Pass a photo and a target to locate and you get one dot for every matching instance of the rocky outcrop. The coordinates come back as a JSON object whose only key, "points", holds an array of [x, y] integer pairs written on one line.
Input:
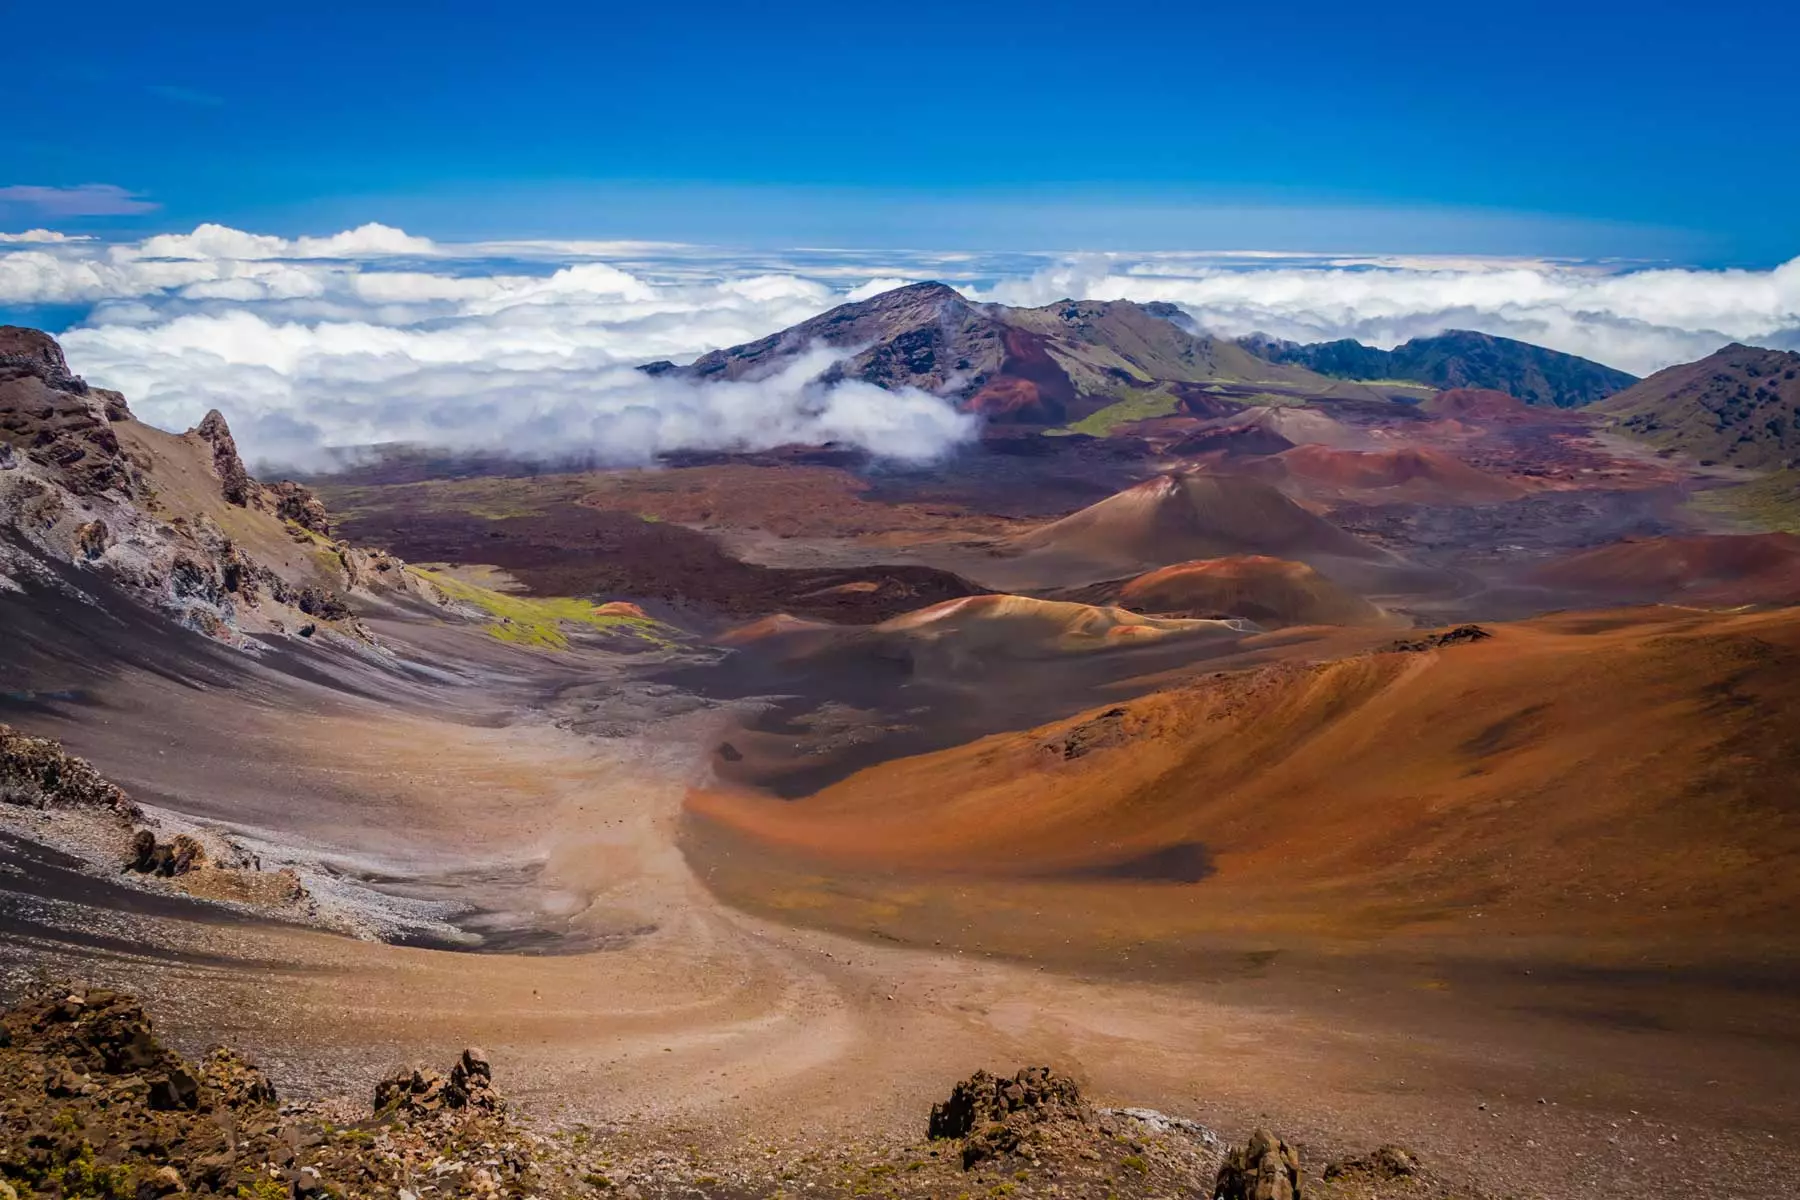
{"points": [[295, 502], [1461, 635], [994, 1116], [38, 772], [75, 490], [234, 480], [177, 857], [1266, 1168], [55, 419], [421, 1091], [100, 1033]]}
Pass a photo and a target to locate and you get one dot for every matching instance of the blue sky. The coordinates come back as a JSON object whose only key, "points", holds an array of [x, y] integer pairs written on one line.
{"points": [[1650, 130]]}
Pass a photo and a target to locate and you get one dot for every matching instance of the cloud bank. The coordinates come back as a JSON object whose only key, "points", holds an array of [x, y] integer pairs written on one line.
{"points": [[375, 335]]}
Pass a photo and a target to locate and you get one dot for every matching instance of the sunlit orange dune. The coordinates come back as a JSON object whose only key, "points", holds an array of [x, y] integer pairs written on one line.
{"points": [[1724, 569], [1179, 517], [1410, 473], [1273, 592], [1625, 774], [1019, 626], [960, 633]]}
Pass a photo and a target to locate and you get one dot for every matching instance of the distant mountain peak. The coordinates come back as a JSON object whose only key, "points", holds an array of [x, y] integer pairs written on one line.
{"points": [[1458, 358]]}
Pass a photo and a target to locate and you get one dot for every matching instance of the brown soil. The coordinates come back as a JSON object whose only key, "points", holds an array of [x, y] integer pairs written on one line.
{"points": [[1718, 569], [1421, 475], [1273, 592]]}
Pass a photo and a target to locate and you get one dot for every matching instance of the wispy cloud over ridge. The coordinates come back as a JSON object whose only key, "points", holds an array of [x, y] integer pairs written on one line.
{"points": [[374, 334]]}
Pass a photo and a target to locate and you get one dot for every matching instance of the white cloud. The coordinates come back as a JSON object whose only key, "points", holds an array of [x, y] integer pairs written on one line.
{"points": [[222, 242], [1637, 320], [375, 335], [42, 236]]}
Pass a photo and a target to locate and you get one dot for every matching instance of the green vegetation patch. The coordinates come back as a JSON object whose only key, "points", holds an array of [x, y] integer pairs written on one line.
{"points": [[1139, 404], [543, 621], [1771, 503]]}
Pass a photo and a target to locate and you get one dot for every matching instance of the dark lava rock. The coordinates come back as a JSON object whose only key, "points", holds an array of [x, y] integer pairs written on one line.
{"points": [[178, 857], [1436, 641], [420, 1091], [234, 481], [39, 772], [1266, 1168], [55, 419], [995, 1115], [297, 503]]}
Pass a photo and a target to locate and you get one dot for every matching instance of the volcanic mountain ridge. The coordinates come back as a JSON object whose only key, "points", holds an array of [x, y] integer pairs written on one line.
{"points": [[1025, 366]]}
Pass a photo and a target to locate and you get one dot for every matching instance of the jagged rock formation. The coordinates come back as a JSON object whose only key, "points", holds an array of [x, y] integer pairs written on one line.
{"points": [[420, 1091], [178, 522], [994, 1116], [1266, 1168], [38, 772]]}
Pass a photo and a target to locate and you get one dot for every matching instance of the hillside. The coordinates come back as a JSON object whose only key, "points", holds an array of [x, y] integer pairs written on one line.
{"points": [[1459, 358], [1740, 406], [1530, 777], [1052, 366], [1180, 517]]}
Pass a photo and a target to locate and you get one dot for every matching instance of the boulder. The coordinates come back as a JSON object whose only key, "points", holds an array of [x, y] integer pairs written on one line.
{"points": [[1266, 1168], [994, 1115], [91, 539], [178, 857], [421, 1091]]}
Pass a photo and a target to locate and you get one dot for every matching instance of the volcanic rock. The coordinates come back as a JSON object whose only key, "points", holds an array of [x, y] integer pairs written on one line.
{"points": [[295, 502], [421, 1091], [236, 1079], [234, 481], [39, 772], [178, 857], [994, 1115], [55, 419], [1460, 635], [1266, 1168]]}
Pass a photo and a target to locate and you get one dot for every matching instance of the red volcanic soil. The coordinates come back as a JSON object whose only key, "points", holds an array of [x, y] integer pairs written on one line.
{"points": [[1626, 774], [1179, 517], [1410, 474], [1031, 387], [1482, 404], [1270, 591], [1751, 568]]}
